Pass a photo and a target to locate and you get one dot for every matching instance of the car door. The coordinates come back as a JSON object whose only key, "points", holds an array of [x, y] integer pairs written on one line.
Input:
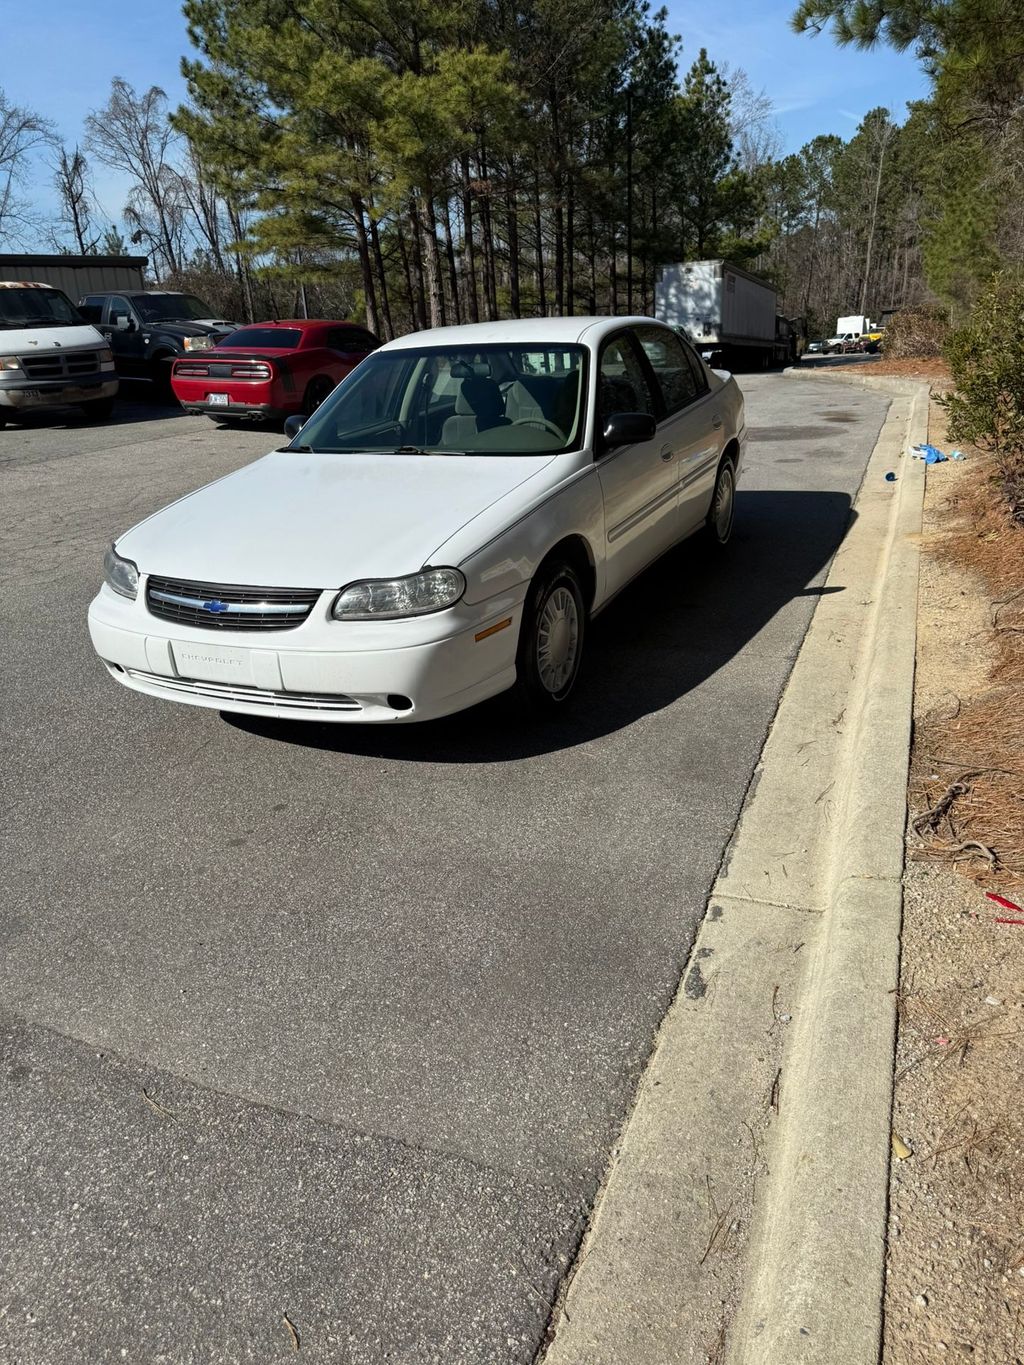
{"points": [[638, 482], [125, 337], [692, 424]]}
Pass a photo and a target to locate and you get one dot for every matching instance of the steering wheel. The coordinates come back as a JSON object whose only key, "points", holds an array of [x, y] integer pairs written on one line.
{"points": [[540, 422]]}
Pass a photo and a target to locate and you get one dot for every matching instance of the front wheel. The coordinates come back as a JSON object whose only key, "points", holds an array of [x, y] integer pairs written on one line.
{"points": [[718, 526], [550, 640]]}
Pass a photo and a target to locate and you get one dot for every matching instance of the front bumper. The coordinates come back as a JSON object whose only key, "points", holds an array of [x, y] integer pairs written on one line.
{"points": [[23, 395], [323, 670]]}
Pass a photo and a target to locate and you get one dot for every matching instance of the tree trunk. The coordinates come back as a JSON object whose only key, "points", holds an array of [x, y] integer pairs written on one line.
{"points": [[490, 278], [417, 260], [378, 260], [449, 247], [469, 243], [542, 302], [570, 245], [409, 292], [435, 288], [512, 223], [369, 292]]}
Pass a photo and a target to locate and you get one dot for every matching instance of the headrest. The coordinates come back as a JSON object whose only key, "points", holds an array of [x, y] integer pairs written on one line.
{"points": [[480, 398]]}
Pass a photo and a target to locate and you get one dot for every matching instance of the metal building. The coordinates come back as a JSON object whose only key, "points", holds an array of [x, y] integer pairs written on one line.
{"points": [[77, 275]]}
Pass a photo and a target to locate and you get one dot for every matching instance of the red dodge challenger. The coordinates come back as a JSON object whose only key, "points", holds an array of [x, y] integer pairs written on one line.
{"points": [[271, 369]]}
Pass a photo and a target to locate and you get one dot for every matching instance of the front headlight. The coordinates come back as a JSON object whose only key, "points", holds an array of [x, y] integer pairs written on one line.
{"points": [[196, 343], [9, 362], [121, 574], [387, 598], [106, 355]]}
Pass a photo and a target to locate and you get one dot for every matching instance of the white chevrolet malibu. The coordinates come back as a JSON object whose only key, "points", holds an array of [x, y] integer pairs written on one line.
{"points": [[443, 527]]}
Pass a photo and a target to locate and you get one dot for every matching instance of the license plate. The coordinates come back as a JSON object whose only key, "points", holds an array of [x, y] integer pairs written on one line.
{"points": [[212, 663], [219, 400]]}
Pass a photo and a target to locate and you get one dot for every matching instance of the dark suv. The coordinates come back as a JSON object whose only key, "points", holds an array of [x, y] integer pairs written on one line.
{"points": [[149, 329]]}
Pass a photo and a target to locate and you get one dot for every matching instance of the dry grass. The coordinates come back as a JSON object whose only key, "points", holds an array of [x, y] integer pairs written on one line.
{"points": [[978, 742]]}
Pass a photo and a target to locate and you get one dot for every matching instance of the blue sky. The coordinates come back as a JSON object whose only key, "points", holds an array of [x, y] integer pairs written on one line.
{"points": [[59, 58]]}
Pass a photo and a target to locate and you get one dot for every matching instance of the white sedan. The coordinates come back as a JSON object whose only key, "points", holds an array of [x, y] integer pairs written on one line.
{"points": [[443, 527]]}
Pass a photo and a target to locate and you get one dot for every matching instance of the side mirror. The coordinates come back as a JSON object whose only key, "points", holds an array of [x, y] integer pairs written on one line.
{"points": [[628, 428], [294, 424], [123, 323]]}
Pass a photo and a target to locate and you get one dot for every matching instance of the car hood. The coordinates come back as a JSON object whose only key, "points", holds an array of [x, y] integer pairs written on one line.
{"points": [[189, 327], [296, 520], [39, 340]]}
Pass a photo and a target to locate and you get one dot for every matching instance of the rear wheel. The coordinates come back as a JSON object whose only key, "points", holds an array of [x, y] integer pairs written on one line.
{"points": [[550, 640], [718, 527], [316, 391], [99, 409]]}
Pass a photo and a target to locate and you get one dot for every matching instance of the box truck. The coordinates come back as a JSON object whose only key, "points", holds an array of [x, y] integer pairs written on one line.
{"points": [[730, 315]]}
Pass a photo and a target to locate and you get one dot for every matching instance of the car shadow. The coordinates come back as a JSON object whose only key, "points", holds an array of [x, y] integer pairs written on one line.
{"points": [[125, 411], [668, 633]]}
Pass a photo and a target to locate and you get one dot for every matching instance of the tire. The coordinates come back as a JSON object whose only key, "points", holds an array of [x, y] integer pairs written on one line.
{"points": [[550, 640], [722, 512], [161, 372], [98, 409], [316, 391]]}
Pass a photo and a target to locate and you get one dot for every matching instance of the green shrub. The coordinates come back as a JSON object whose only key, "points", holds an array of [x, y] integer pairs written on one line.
{"points": [[987, 362]]}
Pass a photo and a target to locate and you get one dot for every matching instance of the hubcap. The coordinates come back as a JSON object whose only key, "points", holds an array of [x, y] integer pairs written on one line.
{"points": [[724, 503], [558, 638]]}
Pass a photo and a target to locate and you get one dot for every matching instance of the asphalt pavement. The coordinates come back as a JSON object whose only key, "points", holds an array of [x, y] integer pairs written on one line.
{"points": [[321, 1036]]}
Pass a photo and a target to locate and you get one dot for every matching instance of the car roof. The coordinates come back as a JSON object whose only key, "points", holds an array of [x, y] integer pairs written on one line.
{"points": [[304, 322], [25, 284], [587, 331]]}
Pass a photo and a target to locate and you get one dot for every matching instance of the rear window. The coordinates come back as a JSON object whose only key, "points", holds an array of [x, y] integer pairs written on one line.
{"points": [[264, 337]]}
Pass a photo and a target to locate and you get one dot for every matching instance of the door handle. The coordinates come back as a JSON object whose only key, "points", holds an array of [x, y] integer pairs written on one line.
{"points": [[716, 421], [667, 452]]}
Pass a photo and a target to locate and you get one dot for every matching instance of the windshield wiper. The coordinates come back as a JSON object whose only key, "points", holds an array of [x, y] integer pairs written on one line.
{"points": [[420, 450]]}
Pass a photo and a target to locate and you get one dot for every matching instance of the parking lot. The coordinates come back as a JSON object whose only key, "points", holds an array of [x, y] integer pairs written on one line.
{"points": [[323, 1035]]}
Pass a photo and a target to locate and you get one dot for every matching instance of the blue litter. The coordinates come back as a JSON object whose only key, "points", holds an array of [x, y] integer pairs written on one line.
{"points": [[930, 454], [890, 477], [957, 455]]}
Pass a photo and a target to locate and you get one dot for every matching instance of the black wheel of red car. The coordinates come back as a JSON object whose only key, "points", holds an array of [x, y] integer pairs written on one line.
{"points": [[316, 391]]}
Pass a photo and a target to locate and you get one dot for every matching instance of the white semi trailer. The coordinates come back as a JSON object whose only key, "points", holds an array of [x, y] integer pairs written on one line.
{"points": [[730, 315]]}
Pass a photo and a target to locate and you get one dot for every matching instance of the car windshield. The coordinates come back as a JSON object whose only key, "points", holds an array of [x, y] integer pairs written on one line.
{"points": [[261, 337], [160, 307], [30, 306], [467, 400]]}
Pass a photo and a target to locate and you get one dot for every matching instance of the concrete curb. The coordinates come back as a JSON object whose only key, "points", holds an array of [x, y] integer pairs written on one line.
{"points": [[816, 1285], [764, 1113]]}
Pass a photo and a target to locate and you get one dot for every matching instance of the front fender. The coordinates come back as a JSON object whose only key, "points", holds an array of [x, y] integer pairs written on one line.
{"points": [[512, 555]]}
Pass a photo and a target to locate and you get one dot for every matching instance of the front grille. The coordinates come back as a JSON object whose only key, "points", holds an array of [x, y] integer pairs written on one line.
{"points": [[254, 696], [222, 606], [60, 364]]}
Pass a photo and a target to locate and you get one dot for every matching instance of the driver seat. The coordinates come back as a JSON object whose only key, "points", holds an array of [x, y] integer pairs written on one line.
{"points": [[478, 407]]}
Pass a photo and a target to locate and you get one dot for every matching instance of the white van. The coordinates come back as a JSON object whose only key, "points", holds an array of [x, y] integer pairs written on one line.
{"points": [[49, 355]]}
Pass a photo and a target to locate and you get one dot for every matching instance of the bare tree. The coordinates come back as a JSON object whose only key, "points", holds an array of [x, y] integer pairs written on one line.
{"points": [[755, 134], [71, 176], [21, 131], [132, 133]]}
